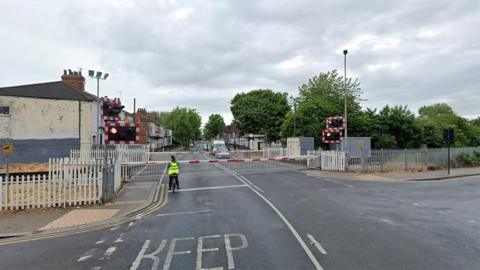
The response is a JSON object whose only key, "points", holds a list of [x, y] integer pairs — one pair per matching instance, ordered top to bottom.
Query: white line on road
{"points": [[252, 184], [208, 188], [183, 213], [284, 219], [130, 224], [113, 229], [120, 238], [99, 242], [317, 244], [110, 251], [86, 255], [83, 258], [96, 268]]}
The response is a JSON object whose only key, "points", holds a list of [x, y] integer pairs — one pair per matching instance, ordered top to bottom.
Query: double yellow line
{"points": [[134, 216]]}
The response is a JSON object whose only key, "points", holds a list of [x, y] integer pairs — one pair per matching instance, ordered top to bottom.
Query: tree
{"points": [[321, 97], [260, 112], [434, 118], [476, 121], [184, 122], [214, 127], [398, 128]]}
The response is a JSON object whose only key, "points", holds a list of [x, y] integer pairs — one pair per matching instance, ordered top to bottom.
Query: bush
{"points": [[469, 160]]}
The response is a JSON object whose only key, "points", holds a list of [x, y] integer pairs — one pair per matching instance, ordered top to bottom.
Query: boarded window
{"points": [[4, 110]]}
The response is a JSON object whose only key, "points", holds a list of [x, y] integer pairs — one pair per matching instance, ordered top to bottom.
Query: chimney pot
{"points": [[74, 79]]}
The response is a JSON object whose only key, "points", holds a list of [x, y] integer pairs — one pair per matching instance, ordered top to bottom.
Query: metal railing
{"points": [[406, 159], [154, 169]]}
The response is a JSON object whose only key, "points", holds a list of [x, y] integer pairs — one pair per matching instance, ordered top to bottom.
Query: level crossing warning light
{"points": [[120, 132]]}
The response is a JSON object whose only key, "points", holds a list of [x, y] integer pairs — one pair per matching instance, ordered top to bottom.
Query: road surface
{"points": [[280, 219]]}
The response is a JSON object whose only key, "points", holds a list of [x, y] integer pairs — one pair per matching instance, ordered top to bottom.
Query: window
{"points": [[4, 110]]}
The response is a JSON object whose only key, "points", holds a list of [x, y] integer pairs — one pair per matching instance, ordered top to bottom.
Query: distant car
{"points": [[221, 153]]}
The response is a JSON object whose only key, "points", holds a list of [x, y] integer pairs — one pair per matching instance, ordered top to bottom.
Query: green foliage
{"points": [[321, 97], [260, 112], [434, 118], [184, 122], [476, 122], [214, 127], [469, 160]]}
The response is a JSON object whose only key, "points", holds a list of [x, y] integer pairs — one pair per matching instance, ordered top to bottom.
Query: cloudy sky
{"points": [[198, 54]]}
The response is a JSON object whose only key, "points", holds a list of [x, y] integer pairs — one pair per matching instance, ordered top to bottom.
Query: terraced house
{"points": [[45, 120]]}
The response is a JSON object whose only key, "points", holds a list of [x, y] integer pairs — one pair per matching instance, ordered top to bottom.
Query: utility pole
{"points": [[98, 75], [134, 110], [294, 118], [345, 139]]}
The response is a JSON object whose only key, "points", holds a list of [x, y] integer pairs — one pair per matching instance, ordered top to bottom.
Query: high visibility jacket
{"points": [[173, 168]]}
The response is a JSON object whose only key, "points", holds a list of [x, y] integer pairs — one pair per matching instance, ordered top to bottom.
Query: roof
{"points": [[50, 90]]}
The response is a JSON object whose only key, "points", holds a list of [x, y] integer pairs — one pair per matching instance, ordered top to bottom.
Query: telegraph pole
{"points": [[345, 139]]}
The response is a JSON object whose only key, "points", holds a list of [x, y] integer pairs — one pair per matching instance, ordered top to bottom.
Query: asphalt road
{"points": [[280, 219]]}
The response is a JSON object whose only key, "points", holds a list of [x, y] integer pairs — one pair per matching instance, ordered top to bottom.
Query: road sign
{"points": [[448, 136], [8, 150]]}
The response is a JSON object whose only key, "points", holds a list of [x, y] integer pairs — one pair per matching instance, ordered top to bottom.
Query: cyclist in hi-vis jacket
{"points": [[173, 172]]}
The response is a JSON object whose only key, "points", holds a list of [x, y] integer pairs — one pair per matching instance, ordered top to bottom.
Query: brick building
{"points": [[46, 120], [152, 133]]}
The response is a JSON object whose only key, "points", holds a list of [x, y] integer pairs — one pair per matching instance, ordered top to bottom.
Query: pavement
{"points": [[399, 175], [133, 197], [279, 219]]}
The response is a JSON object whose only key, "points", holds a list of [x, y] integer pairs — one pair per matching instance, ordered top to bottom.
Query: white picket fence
{"points": [[124, 153], [332, 160], [69, 183]]}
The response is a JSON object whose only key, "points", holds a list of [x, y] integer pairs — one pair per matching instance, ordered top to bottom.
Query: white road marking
{"points": [[252, 184], [208, 188], [183, 213], [284, 219], [388, 221], [130, 224], [113, 229], [120, 238], [99, 242], [317, 244], [229, 248], [200, 250], [110, 251], [172, 252], [86, 255], [152, 256], [83, 258], [96, 268]]}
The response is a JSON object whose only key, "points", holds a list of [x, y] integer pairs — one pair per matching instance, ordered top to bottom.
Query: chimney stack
{"points": [[74, 79]]}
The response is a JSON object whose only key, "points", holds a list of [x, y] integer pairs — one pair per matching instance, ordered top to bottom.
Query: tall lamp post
{"points": [[98, 75], [345, 142]]}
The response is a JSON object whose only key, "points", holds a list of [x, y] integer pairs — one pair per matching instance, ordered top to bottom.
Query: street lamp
{"points": [[98, 75], [345, 93]]}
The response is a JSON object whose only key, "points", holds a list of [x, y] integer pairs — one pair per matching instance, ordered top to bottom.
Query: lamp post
{"points": [[98, 75], [345, 94]]}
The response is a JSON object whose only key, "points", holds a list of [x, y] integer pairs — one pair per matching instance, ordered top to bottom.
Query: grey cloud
{"points": [[200, 53]]}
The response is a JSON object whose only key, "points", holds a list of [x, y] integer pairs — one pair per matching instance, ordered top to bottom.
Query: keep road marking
{"points": [[316, 244], [214, 245]]}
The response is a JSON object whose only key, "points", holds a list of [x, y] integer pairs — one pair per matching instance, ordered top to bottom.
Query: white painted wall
{"points": [[37, 118]]}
